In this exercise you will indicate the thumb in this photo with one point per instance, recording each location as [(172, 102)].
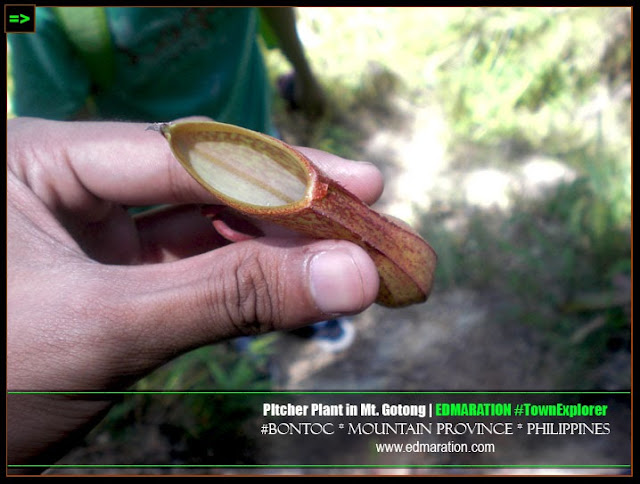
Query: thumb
[(250, 287)]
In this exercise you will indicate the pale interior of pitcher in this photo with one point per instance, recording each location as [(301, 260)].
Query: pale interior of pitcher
[(243, 168)]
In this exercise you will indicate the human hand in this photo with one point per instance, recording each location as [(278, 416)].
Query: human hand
[(97, 299)]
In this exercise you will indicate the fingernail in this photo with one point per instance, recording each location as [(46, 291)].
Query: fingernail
[(339, 280)]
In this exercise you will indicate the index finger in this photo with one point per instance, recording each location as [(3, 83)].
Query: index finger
[(130, 165)]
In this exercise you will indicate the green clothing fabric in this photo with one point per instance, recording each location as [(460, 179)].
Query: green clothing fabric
[(169, 63)]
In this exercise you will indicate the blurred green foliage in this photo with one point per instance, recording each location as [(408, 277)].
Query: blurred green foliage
[(512, 81), (224, 366), (554, 82)]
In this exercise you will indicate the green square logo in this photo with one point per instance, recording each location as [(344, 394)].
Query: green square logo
[(19, 19)]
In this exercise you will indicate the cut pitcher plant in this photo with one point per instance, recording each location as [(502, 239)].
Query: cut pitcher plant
[(263, 178)]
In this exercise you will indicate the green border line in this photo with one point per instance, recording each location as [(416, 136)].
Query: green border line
[(239, 392)]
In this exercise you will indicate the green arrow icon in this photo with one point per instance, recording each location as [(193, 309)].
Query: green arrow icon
[(19, 19)]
